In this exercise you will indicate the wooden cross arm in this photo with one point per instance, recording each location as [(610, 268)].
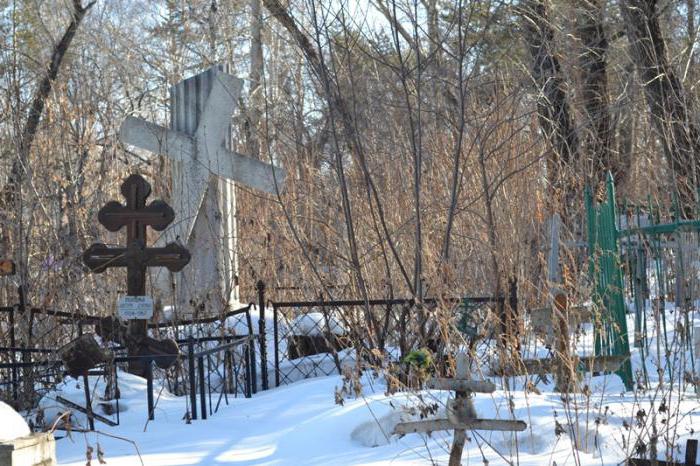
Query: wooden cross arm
[(99, 257), (173, 256), (435, 425), (463, 385), (158, 215)]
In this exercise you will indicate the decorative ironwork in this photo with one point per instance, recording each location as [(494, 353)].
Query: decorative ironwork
[(136, 257)]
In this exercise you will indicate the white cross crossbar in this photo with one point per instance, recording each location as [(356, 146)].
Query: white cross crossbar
[(204, 152), (181, 147)]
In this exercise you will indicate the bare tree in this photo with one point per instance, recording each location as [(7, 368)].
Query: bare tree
[(12, 189), (670, 105), (553, 108), (595, 95)]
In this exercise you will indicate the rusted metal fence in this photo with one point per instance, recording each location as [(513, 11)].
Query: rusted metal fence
[(307, 339)]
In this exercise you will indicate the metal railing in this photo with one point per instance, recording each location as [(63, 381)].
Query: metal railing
[(219, 371), (309, 347), (230, 377)]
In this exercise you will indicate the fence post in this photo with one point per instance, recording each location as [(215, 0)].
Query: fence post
[(691, 452), (229, 383), (27, 375), (513, 305), (114, 368), (88, 402), (260, 286), (513, 295), (246, 356), (251, 354), (193, 386), (202, 391), (275, 329), (149, 387), (13, 344)]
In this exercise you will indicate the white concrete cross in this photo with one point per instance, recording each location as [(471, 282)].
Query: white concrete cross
[(199, 140), (204, 153)]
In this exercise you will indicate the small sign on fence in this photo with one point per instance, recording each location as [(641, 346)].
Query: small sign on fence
[(135, 307)]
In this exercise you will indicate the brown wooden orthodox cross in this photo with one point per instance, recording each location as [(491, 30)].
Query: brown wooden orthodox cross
[(136, 256)]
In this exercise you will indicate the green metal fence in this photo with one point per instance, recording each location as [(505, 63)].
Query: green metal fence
[(651, 259), (611, 336)]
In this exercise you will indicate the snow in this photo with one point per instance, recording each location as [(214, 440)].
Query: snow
[(374, 433), (12, 425), (315, 324), (301, 423)]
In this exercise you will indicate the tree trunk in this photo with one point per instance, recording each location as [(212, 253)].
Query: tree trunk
[(39, 100), (594, 93), (256, 75), (11, 230), (670, 105), (553, 109)]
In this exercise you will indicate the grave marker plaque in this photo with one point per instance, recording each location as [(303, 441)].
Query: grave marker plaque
[(135, 307)]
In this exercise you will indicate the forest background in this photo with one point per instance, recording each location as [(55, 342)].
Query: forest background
[(427, 142)]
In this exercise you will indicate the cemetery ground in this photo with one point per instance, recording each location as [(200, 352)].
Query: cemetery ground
[(426, 191), (325, 421), (371, 381), (301, 424)]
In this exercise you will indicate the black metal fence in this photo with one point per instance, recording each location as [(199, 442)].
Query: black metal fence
[(308, 339), (222, 370), (318, 338), (25, 371), (214, 363), (208, 374), (211, 369)]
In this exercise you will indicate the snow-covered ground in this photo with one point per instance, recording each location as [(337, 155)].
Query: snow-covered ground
[(302, 424), (12, 425)]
